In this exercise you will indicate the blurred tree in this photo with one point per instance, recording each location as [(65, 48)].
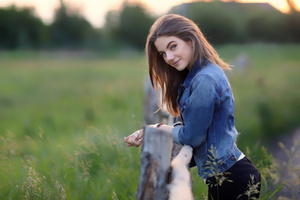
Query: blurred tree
[(112, 23), (218, 28), (261, 27), (70, 29), (293, 22), (19, 28), (232, 22), (221, 22), (134, 24)]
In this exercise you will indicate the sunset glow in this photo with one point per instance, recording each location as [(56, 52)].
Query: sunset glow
[(278, 4), (95, 10)]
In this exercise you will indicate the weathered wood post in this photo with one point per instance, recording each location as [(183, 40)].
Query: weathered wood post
[(155, 165)]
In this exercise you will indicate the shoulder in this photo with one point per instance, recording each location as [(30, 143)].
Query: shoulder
[(212, 70), (212, 74)]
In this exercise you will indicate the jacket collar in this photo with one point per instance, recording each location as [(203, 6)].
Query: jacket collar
[(194, 70)]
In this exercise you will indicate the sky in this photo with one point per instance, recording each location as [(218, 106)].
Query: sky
[(95, 10)]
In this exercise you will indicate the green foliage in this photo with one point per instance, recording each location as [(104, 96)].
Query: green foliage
[(129, 26), (212, 25), (134, 25), (112, 24), (261, 27), (70, 29), (252, 189), (19, 28), (240, 22), (213, 164), (293, 26)]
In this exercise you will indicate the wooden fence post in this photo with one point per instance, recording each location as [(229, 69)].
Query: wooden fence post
[(155, 165)]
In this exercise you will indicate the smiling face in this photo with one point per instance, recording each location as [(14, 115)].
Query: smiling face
[(176, 52)]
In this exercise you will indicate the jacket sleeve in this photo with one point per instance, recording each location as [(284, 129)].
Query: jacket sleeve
[(198, 112)]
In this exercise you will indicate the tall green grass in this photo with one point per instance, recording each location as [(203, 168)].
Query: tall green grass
[(63, 119), (62, 126)]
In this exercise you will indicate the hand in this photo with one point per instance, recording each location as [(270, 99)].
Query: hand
[(135, 139)]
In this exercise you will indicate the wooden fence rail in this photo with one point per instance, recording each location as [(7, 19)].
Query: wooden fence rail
[(161, 177)]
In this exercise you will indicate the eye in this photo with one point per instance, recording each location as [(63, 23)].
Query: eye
[(173, 46), (163, 54)]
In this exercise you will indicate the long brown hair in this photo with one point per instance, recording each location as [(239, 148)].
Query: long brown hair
[(166, 77)]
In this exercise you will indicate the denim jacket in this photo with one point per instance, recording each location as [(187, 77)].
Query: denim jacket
[(206, 107)]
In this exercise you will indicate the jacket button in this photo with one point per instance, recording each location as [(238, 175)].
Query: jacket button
[(232, 158)]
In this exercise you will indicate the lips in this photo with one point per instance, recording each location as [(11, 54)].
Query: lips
[(176, 63)]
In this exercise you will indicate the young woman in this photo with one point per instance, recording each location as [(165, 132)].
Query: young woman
[(193, 83)]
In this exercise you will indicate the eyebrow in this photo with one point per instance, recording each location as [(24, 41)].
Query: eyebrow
[(167, 45)]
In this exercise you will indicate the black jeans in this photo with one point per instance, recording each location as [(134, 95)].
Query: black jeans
[(238, 179)]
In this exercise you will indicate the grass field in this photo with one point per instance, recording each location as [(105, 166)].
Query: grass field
[(63, 118)]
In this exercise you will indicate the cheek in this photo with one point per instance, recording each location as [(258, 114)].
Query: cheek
[(166, 61), (188, 52)]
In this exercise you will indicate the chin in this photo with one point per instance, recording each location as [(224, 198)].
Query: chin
[(180, 68)]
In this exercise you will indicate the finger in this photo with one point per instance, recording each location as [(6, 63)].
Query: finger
[(135, 139), (128, 144), (135, 134), (134, 142), (137, 143), (130, 140), (127, 141), (140, 134)]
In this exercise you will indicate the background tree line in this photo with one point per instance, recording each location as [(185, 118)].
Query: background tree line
[(221, 22)]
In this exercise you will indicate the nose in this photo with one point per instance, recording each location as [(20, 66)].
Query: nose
[(169, 56)]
